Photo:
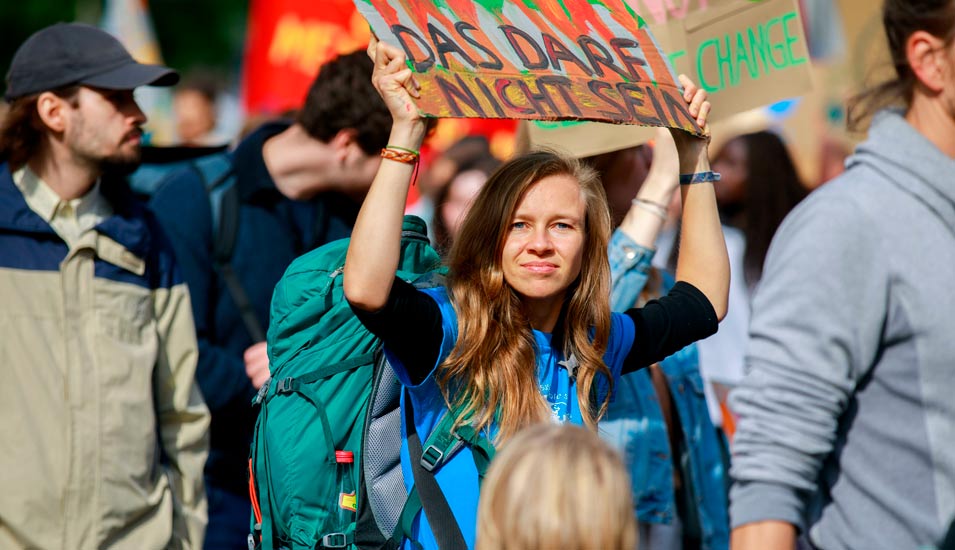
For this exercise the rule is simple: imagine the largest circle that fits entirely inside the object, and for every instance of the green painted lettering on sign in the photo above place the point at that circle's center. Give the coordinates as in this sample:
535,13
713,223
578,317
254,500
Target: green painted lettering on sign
790,40
755,50
673,56
554,124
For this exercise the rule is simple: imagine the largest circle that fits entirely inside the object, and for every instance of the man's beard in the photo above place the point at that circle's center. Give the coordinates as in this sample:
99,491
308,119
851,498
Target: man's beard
122,162
120,165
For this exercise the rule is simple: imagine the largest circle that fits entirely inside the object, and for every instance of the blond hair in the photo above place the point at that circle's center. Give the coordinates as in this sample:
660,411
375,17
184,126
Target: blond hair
556,487
493,366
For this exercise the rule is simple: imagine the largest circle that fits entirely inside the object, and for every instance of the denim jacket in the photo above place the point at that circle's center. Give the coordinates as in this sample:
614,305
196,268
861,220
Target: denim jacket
634,422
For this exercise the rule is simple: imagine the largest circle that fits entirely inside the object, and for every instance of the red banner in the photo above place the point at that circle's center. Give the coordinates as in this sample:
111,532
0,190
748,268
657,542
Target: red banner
288,40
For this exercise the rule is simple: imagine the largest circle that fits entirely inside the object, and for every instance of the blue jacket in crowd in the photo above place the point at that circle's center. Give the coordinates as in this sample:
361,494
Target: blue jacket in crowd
634,422
273,230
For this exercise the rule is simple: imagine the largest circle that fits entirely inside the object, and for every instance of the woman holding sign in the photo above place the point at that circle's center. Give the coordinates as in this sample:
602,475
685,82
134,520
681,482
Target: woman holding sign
523,333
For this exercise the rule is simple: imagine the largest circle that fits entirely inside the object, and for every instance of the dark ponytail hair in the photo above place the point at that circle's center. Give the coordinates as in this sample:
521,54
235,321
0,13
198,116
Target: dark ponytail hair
773,188
902,18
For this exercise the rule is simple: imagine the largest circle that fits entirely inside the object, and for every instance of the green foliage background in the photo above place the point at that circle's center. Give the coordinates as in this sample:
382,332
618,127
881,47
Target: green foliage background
193,34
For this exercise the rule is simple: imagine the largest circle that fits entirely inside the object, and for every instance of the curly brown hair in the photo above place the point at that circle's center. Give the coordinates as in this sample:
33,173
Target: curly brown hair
22,131
341,97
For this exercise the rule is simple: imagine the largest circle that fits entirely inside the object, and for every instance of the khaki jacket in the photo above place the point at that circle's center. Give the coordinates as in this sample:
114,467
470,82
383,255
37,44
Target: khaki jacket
103,431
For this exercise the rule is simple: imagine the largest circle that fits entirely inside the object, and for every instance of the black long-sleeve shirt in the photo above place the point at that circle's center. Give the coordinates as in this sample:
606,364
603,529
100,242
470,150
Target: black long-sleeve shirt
410,326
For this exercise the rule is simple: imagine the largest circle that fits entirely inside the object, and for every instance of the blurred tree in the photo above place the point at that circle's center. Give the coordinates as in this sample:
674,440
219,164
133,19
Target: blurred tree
206,34
18,20
191,33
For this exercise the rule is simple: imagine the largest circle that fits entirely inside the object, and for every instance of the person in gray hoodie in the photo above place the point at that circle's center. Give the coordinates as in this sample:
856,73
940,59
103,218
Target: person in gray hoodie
846,431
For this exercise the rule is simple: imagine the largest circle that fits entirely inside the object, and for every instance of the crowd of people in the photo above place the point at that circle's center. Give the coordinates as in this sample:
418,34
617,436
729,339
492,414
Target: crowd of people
668,354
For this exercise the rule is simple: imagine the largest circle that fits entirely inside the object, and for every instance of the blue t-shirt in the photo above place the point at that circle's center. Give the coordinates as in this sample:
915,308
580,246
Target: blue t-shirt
458,476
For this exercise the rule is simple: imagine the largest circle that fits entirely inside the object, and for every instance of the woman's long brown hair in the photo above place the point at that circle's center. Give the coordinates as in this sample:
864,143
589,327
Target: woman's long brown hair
492,369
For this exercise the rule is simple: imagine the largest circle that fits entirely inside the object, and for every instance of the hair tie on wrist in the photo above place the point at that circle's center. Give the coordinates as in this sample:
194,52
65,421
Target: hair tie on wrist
700,177
651,206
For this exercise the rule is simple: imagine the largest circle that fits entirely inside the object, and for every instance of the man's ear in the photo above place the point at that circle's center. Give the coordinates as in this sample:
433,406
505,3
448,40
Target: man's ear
342,142
926,55
52,109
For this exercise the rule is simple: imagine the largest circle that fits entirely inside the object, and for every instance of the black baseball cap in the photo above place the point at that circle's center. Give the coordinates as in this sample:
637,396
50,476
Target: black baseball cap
65,54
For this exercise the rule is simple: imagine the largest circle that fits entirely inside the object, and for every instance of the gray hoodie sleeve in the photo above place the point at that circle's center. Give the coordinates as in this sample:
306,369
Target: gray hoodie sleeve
815,330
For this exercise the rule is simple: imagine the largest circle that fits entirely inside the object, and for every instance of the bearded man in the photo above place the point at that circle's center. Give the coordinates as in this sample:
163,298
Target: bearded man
104,430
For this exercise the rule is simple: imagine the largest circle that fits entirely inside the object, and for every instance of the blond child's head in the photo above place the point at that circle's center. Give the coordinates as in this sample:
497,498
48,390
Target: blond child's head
556,487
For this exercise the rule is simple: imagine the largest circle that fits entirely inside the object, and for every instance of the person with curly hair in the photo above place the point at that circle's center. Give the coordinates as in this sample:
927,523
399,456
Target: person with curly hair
299,185
105,433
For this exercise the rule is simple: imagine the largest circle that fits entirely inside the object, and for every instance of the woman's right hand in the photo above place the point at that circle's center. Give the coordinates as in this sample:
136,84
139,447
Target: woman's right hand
395,82
703,261
693,150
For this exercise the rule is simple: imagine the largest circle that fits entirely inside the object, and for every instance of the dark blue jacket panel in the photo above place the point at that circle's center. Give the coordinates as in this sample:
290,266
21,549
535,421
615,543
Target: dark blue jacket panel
272,231
27,241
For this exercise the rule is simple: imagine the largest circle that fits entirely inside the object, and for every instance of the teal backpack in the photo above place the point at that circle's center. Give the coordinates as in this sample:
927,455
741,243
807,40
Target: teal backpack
332,390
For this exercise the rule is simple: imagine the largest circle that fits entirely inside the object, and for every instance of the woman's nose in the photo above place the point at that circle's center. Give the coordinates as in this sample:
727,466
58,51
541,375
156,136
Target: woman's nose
540,241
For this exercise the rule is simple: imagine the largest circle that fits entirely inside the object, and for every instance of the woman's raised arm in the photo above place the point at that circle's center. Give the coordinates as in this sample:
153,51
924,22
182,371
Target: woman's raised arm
374,249
702,260
647,214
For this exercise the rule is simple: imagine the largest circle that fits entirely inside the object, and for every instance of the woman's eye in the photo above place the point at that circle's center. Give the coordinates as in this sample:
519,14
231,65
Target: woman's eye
518,225
562,225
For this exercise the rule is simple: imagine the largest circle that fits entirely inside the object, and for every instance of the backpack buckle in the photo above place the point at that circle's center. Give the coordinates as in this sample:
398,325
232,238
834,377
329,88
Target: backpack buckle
335,540
285,385
263,391
431,457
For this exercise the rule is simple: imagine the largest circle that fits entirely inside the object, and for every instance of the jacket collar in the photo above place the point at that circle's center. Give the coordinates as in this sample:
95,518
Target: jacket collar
252,176
15,213
127,226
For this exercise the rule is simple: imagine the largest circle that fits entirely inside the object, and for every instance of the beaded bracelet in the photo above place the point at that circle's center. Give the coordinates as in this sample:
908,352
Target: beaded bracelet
700,177
399,154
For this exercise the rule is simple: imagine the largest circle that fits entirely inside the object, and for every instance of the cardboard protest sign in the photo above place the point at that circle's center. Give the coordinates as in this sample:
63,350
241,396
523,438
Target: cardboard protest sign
533,59
745,53
582,139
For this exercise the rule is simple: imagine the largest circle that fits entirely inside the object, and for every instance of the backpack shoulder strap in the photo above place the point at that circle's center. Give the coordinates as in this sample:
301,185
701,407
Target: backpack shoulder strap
218,177
445,527
445,440
219,180
440,445
482,450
